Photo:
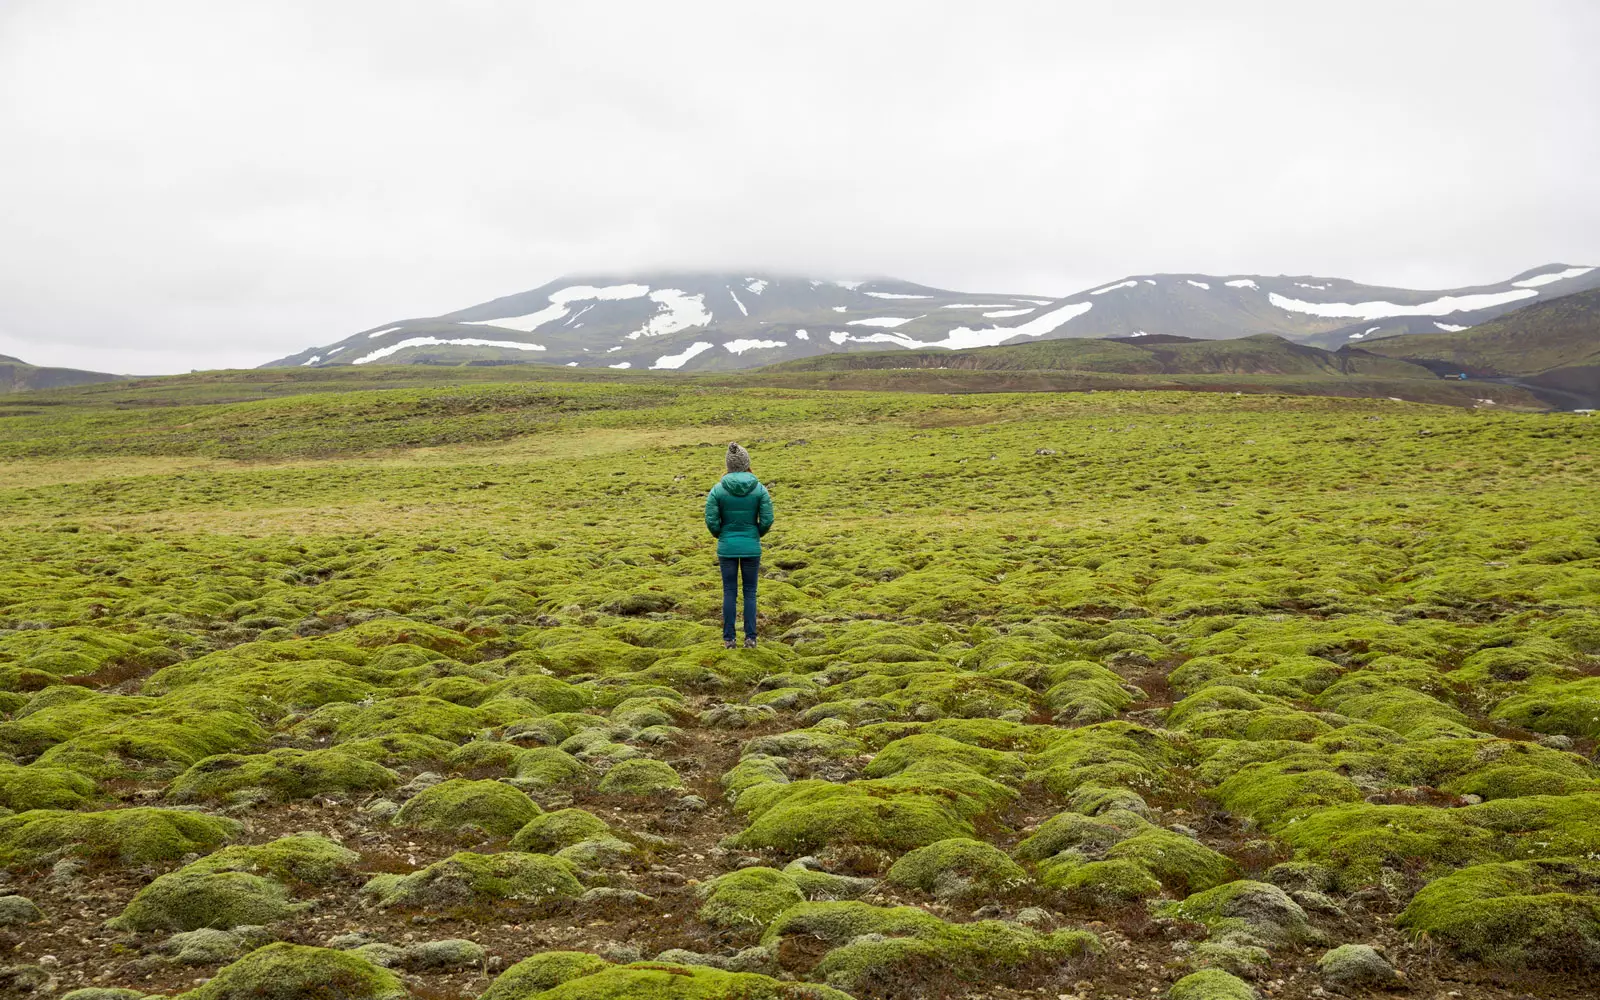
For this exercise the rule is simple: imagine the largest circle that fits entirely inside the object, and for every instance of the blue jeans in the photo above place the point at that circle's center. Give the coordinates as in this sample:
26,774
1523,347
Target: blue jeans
732,570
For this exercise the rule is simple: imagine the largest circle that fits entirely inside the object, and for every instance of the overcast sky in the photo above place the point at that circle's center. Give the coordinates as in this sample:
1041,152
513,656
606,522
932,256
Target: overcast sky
206,184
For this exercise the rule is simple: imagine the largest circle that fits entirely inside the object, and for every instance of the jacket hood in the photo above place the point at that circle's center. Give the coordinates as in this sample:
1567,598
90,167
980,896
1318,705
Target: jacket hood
740,483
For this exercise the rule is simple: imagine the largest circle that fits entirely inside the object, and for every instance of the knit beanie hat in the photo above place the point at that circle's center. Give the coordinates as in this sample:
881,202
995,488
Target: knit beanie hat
738,458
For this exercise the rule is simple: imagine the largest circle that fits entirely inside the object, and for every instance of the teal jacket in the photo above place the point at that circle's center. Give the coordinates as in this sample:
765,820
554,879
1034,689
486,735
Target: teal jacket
738,513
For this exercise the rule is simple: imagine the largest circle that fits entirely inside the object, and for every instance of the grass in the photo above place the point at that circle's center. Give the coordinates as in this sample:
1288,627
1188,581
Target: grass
1288,622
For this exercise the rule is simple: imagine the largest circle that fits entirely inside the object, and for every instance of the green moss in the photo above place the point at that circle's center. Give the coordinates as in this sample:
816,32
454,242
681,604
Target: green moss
25,788
1116,881
128,838
748,898
468,879
479,757
413,714
399,749
1526,914
1211,984
295,972
462,804
544,971
1075,831
959,869
925,749
285,774
552,831
186,900
640,776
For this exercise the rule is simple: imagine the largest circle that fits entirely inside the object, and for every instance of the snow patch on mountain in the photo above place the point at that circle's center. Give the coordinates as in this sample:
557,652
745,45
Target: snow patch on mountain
742,345
1320,288
1130,283
379,333
1381,310
736,302
900,339
621,364
1364,333
1198,284
1450,327
963,337
314,359
987,305
755,285
884,321
671,361
840,309
1003,313
1539,280
384,352
560,300
1242,283
679,311
802,335
895,295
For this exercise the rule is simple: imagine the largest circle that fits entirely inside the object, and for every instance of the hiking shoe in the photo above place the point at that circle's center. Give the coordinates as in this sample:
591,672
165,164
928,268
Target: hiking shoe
729,644
750,642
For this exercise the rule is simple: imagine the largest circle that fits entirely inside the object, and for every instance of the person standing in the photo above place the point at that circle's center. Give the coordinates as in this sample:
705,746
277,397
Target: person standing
738,514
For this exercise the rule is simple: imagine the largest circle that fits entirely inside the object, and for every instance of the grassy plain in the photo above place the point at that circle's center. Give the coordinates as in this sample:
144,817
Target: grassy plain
409,681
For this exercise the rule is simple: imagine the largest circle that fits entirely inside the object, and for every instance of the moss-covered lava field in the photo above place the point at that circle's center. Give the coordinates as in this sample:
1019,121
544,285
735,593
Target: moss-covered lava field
347,692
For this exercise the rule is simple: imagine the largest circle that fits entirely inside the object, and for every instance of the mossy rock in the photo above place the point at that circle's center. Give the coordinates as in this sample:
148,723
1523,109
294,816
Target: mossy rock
128,838
544,971
1089,837
462,804
485,756
1523,914
186,900
749,898
640,776
1211,984
958,869
467,879
1182,864
1259,911
16,911
26,788
552,831
752,770
400,749
285,774
298,972
925,748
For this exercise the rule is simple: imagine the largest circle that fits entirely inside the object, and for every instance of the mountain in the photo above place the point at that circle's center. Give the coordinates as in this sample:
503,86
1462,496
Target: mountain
711,321
17,375
1157,354
1552,346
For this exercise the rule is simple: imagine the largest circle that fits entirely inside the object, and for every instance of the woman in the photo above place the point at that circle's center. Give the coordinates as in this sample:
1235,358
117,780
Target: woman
738,513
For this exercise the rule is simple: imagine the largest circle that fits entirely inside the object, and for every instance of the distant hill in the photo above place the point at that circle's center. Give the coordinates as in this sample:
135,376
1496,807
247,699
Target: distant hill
17,375
1263,354
716,321
1550,348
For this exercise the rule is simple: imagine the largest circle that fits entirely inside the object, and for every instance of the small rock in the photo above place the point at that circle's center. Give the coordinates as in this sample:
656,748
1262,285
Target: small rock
1033,916
1556,742
18,910
1316,902
381,808
1356,965
604,894
1472,800
691,803
206,946
422,782
354,939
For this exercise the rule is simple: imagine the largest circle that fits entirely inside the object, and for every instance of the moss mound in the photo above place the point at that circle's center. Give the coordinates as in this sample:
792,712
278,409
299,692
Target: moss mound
544,971
640,776
468,879
284,774
187,900
1527,914
552,831
1211,984
297,972
127,838
461,804
958,869
749,898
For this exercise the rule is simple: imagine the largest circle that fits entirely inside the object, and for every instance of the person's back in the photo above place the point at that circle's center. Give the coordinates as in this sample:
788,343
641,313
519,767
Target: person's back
738,514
